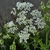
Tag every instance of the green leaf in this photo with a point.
(1, 41)
(7, 36)
(13, 46)
(48, 4)
(42, 45)
(42, 5)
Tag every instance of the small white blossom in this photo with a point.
(26, 28)
(23, 37)
(13, 12)
(22, 13)
(13, 8)
(11, 27)
(36, 14)
(21, 20)
(24, 6)
(28, 6)
(40, 23)
(10, 24)
(30, 21)
(32, 29)
(12, 30)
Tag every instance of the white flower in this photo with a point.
(23, 37)
(10, 24)
(40, 23)
(22, 13)
(13, 12)
(26, 28)
(14, 8)
(20, 5)
(30, 21)
(28, 6)
(32, 29)
(12, 30)
(24, 6)
(21, 20)
(36, 14)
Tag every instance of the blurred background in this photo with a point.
(7, 5)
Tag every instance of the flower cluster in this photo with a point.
(32, 29)
(36, 14)
(23, 36)
(24, 6)
(11, 27)
(13, 12)
(22, 13)
(30, 21)
(21, 20)
(10, 24)
(40, 23)
(26, 28)
(37, 17)
(12, 30)
(27, 25)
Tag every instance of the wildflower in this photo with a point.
(28, 6)
(13, 12)
(22, 13)
(40, 23)
(21, 20)
(30, 21)
(10, 24)
(12, 30)
(24, 6)
(26, 28)
(23, 37)
(32, 29)
(36, 14)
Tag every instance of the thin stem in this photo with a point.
(46, 39)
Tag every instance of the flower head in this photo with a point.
(21, 20)
(40, 23)
(32, 29)
(13, 12)
(12, 30)
(22, 13)
(36, 14)
(24, 6)
(10, 24)
(23, 36)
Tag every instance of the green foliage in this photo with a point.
(1, 42)
(7, 36)
(48, 4)
(42, 5)
(13, 46)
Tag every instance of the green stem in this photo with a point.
(46, 39)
